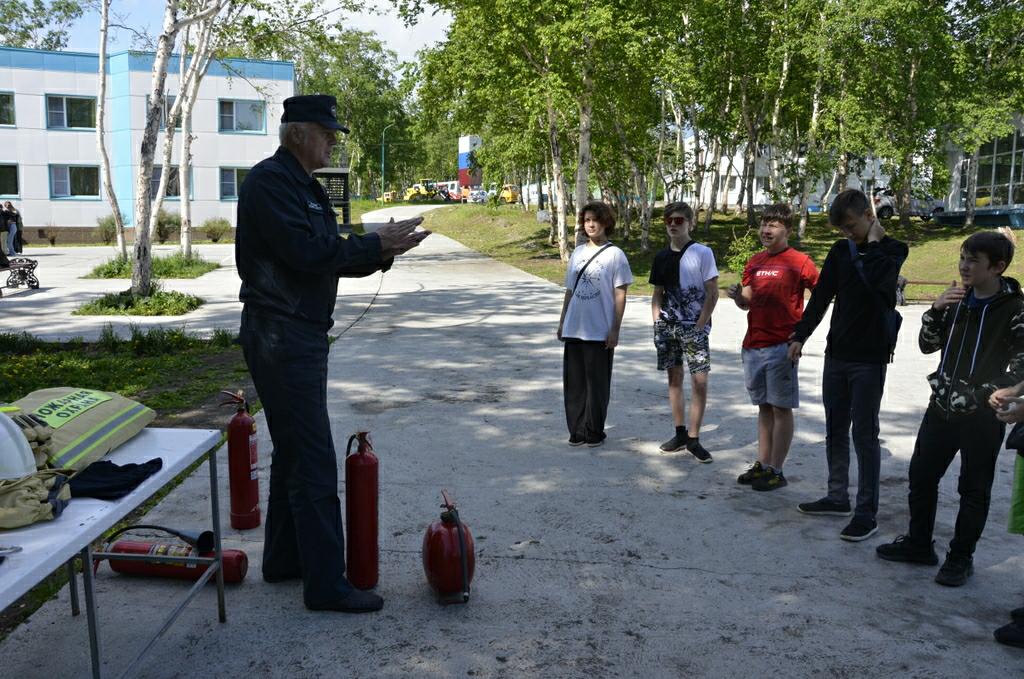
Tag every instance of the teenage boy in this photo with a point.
(685, 281)
(772, 292)
(860, 273)
(979, 328)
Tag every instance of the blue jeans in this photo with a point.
(12, 237)
(304, 537)
(852, 393)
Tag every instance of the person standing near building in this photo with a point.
(772, 293)
(289, 256)
(11, 219)
(859, 273)
(685, 280)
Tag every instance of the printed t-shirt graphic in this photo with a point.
(683, 278)
(777, 284)
(591, 310)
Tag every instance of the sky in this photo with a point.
(147, 16)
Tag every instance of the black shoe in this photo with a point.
(594, 443)
(574, 442)
(355, 601)
(1017, 615)
(698, 451)
(825, 507)
(770, 480)
(1011, 635)
(676, 443)
(906, 550)
(955, 570)
(755, 472)
(281, 577)
(859, 529)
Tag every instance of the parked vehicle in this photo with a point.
(509, 194)
(478, 195)
(425, 189)
(388, 197)
(924, 206)
(885, 202)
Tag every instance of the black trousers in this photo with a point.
(304, 536)
(978, 438)
(587, 383)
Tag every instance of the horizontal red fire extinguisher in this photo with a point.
(361, 488)
(449, 558)
(243, 474)
(236, 562)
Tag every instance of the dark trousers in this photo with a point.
(852, 393)
(978, 437)
(587, 383)
(288, 364)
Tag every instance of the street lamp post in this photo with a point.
(382, 160)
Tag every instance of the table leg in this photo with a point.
(90, 611)
(73, 586)
(215, 513)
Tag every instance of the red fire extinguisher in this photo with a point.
(243, 475)
(448, 555)
(361, 549)
(235, 561)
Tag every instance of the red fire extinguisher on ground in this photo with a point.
(361, 548)
(235, 561)
(243, 475)
(448, 555)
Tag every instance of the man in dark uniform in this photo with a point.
(289, 257)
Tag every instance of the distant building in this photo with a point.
(1000, 197)
(49, 161)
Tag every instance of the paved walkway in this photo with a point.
(611, 562)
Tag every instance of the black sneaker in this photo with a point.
(770, 480)
(825, 507)
(1017, 615)
(698, 451)
(955, 570)
(574, 442)
(748, 477)
(858, 529)
(905, 550)
(1011, 635)
(594, 443)
(674, 444)
(353, 602)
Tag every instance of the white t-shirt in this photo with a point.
(682, 302)
(591, 309)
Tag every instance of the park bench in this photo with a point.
(20, 271)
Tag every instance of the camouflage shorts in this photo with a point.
(676, 343)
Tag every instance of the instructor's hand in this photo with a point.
(397, 238)
(795, 350)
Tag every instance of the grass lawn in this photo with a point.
(515, 237)
(177, 375)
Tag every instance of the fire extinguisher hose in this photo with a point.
(463, 556)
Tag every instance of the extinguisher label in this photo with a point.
(253, 472)
(164, 549)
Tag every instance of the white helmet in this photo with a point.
(16, 458)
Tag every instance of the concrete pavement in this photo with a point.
(618, 561)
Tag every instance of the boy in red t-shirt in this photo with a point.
(772, 291)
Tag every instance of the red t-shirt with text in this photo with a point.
(777, 285)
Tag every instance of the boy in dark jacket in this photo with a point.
(860, 273)
(979, 328)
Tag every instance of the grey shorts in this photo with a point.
(770, 376)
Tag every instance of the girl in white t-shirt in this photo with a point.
(595, 300)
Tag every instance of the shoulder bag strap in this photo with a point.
(584, 268)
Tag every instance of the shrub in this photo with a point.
(106, 229)
(166, 224)
(118, 267)
(157, 341)
(222, 339)
(19, 343)
(741, 250)
(50, 233)
(172, 266)
(216, 228)
(160, 303)
(109, 341)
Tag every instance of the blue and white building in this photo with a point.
(49, 160)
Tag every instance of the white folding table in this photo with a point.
(49, 545)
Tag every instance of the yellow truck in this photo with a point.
(509, 194)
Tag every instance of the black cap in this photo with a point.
(313, 108)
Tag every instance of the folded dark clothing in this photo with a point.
(105, 480)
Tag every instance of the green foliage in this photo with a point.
(160, 303)
(167, 223)
(117, 267)
(106, 229)
(222, 339)
(109, 340)
(38, 24)
(741, 249)
(158, 341)
(216, 228)
(18, 343)
(176, 265)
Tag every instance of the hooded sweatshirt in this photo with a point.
(982, 345)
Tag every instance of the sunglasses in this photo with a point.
(676, 221)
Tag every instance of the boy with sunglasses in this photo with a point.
(685, 280)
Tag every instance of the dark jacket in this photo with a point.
(287, 248)
(982, 349)
(857, 331)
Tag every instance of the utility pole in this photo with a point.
(382, 161)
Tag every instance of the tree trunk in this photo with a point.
(810, 157)
(583, 155)
(699, 161)
(101, 140)
(908, 156)
(972, 189)
(558, 176)
(716, 177)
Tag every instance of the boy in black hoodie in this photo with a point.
(860, 273)
(979, 329)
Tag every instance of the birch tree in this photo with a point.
(101, 141)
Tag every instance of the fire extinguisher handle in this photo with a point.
(447, 502)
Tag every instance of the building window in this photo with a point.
(173, 185)
(999, 172)
(242, 116)
(74, 181)
(168, 105)
(6, 108)
(70, 112)
(8, 180)
(230, 179)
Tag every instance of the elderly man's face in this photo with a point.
(320, 143)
